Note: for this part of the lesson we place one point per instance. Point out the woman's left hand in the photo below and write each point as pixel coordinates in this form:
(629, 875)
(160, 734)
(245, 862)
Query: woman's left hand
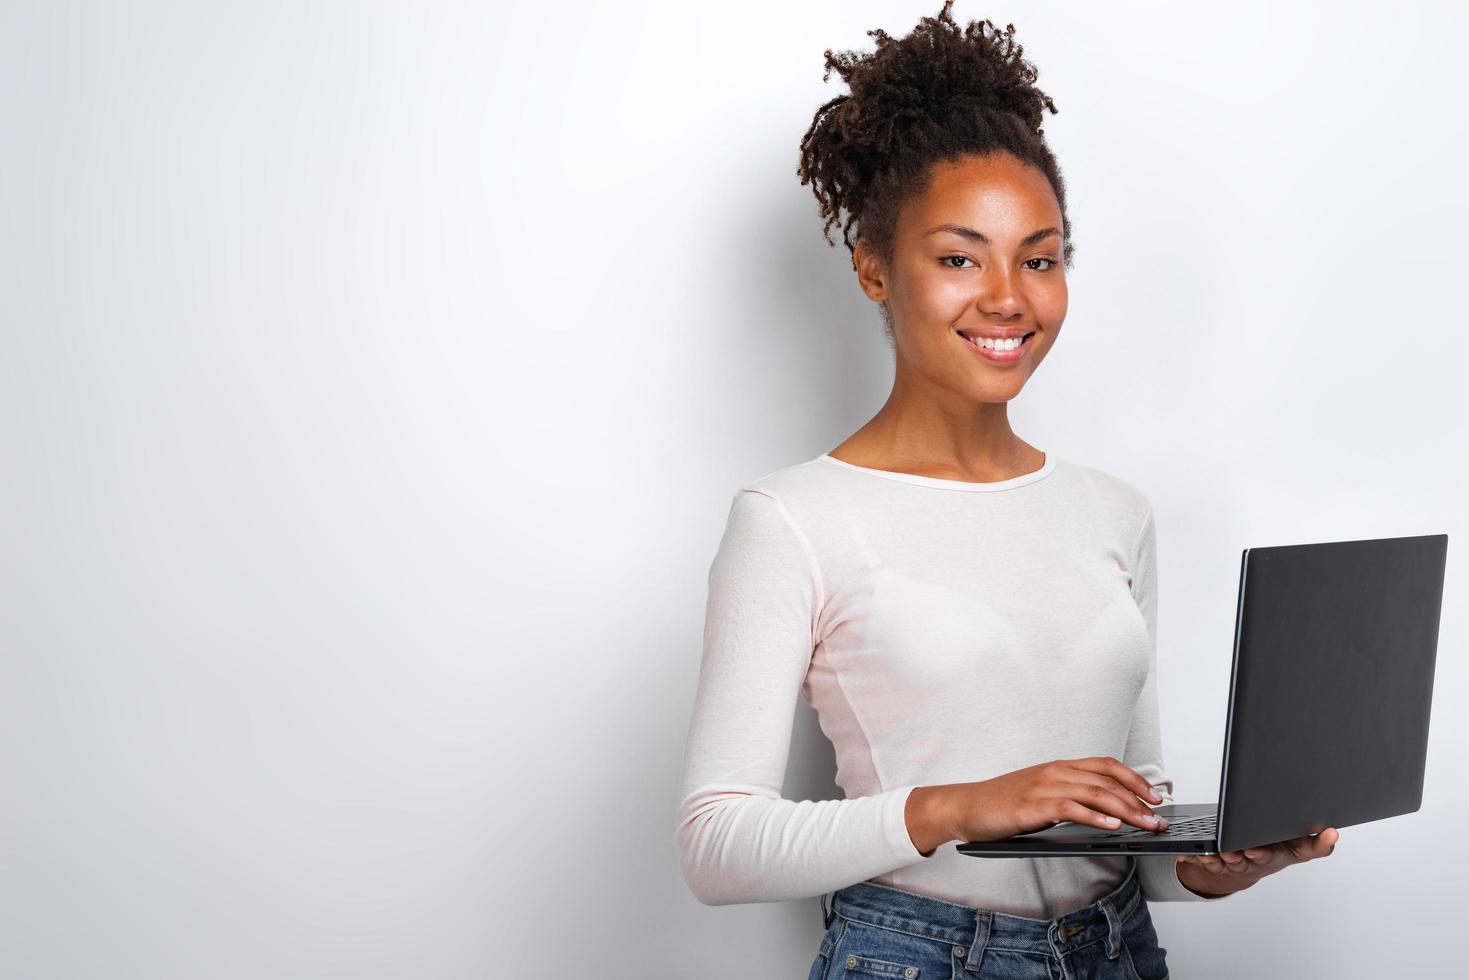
(1223, 874)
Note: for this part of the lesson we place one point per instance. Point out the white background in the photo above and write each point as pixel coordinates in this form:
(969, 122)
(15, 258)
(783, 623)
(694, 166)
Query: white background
(375, 380)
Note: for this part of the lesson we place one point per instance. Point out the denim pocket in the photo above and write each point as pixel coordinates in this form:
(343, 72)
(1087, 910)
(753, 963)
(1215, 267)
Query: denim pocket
(867, 951)
(870, 966)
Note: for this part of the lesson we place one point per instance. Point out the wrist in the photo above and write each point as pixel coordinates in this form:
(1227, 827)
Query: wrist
(927, 816)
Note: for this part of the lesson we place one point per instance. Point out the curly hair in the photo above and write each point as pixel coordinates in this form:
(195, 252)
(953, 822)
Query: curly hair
(942, 93)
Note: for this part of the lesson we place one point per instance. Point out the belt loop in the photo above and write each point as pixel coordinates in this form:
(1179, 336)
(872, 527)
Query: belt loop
(983, 923)
(826, 911)
(1114, 929)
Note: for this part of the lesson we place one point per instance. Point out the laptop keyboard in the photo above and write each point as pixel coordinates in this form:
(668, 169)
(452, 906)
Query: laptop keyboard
(1201, 826)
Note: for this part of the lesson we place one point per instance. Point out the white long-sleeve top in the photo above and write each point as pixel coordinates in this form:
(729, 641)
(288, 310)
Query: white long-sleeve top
(944, 632)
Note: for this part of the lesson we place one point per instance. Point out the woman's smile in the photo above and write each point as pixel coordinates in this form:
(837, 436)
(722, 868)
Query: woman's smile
(1000, 352)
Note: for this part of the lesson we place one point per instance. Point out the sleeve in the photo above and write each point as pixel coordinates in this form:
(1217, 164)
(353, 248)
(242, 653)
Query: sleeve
(738, 840)
(1157, 873)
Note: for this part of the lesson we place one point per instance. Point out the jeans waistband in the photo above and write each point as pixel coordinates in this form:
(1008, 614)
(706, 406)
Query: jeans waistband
(978, 929)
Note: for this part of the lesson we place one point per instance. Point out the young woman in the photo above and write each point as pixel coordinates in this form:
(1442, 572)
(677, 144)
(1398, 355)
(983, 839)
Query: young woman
(974, 620)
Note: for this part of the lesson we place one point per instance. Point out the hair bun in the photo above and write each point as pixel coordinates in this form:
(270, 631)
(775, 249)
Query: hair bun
(942, 69)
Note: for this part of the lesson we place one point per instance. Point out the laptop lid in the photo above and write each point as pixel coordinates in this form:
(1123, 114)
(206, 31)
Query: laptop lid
(1331, 687)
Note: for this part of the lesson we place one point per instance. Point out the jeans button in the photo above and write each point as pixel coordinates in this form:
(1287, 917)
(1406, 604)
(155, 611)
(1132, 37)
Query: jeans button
(851, 961)
(958, 950)
(911, 972)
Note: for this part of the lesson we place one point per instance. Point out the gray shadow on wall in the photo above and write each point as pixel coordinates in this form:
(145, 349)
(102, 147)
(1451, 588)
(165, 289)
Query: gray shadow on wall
(827, 365)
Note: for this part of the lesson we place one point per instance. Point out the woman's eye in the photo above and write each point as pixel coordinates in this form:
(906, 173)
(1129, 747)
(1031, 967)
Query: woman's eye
(964, 258)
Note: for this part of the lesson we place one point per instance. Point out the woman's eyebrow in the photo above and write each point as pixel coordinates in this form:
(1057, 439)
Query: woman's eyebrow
(976, 236)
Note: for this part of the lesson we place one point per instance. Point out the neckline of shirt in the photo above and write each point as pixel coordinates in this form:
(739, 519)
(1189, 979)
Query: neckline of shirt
(917, 479)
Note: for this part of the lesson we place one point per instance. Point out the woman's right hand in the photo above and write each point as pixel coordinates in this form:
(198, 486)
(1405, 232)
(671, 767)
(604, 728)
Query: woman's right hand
(1099, 791)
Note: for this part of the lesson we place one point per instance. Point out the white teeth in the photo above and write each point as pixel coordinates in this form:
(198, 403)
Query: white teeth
(1001, 345)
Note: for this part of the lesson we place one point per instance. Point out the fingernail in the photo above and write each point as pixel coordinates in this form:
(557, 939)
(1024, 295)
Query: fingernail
(1111, 821)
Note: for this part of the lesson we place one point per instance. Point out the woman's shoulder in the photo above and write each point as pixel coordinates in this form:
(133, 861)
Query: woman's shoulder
(1113, 492)
(791, 482)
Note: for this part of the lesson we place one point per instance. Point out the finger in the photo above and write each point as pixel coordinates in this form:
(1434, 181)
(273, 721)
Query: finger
(1100, 796)
(1067, 808)
(1125, 792)
(1212, 864)
(1301, 848)
(1138, 812)
(1106, 765)
(1314, 846)
(1234, 860)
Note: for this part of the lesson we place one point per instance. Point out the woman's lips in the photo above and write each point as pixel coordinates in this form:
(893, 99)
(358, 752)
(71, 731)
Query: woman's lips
(1001, 356)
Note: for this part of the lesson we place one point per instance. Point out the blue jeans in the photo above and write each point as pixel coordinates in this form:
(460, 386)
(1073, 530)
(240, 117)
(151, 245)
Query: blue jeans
(875, 930)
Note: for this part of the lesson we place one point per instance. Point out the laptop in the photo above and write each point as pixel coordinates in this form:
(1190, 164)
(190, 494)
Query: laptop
(1329, 696)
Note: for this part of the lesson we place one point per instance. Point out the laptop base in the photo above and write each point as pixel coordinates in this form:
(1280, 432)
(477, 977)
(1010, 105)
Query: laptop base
(1080, 839)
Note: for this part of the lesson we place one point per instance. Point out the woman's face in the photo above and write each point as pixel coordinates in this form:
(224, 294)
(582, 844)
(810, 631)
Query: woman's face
(979, 254)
